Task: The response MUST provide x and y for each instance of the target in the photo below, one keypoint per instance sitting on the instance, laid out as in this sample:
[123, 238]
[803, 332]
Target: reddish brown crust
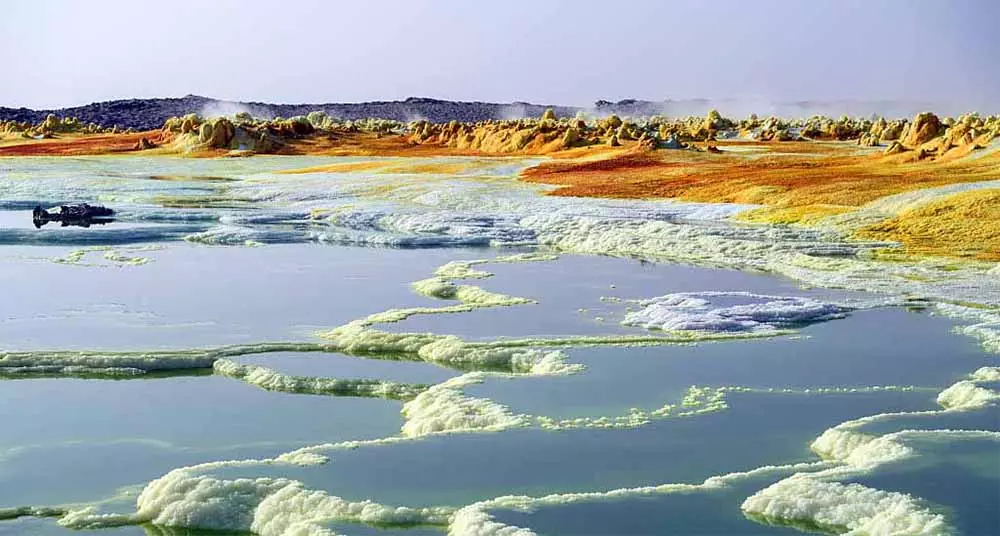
[77, 146]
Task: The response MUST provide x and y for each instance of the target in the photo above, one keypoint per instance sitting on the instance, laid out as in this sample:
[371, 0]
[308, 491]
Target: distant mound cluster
[243, 132]
[926, 135]
[50, 127]
[485, 128]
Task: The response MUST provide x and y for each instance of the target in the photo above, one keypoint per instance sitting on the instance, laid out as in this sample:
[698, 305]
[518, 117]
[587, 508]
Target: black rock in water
[82, 215]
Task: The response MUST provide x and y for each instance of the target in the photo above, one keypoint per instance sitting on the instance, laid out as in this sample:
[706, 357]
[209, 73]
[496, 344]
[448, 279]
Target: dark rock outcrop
[150, 114]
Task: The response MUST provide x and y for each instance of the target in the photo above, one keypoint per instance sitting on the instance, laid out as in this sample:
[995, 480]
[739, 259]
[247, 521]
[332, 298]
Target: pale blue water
[466, 468]
[76, 439]
[705, 513]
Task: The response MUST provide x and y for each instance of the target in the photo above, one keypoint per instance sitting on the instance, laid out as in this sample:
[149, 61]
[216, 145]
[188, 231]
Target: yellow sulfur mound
[963, 225]
[804, 214]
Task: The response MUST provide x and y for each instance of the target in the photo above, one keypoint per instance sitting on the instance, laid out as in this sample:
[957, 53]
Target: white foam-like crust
[816, 499]
[846, 444]
[440, 288]
[455, 270]
[137, 362]
[966, 395]
[30, 511]
[114, 255]
[986, 374]
[810, 256]
[355, 336]
[845, 508]
[119, 363]
[186, 498]
[265, 506]
[272, 380]
[699, 311]
[475, 519]
[986, 326]
[444, 408]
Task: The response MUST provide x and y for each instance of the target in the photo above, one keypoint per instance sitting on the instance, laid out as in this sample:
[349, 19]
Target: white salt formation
[709, 311]
[845, 508]
[817, 500]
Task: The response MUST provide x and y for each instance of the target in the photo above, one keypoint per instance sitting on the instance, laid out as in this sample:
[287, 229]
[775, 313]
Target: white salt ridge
[95, 236]
[136, 362]
[985, 326]
[272, 380]
[699, 311]
[269, 506]
[265, 506]
[808, 256]
[464, 269]
[513, 355]
[115, 363]
[355, 336]
[986, 374]
[228, 235]
[440, 288]
[816, 499]
[115, 256]
[444, 408]
[966, 395]
[846, 508]
[475, 519]
[371, 239]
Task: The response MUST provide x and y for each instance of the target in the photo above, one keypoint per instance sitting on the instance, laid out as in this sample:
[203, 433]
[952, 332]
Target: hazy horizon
[59, 54]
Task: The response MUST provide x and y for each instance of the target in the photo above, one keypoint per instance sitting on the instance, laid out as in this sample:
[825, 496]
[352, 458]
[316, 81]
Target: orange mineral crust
[78, 145]
[838, 176]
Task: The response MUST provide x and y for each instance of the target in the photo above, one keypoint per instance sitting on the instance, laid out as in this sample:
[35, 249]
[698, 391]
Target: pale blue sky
[60, 53]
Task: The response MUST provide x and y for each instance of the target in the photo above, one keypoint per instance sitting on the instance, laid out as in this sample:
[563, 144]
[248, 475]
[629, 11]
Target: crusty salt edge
[271, 380]
[985, 326]
[177, 498]
[699, 311]
[818, 500]
[696, 401]
[800, 254]
[113, 255]
[480, 417]
[464, 269]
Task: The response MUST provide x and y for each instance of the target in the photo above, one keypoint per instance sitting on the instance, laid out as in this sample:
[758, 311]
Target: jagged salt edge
[271, 380]
[305, 457]
[817, 498]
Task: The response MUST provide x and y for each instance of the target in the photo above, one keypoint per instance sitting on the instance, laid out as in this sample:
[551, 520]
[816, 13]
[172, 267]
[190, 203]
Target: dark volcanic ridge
[150, 114]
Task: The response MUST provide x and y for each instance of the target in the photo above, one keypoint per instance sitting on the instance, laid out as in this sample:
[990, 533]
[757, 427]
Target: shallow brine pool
[404, 352]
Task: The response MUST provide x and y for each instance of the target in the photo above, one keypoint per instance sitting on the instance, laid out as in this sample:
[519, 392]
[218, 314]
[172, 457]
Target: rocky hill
[148, 114]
